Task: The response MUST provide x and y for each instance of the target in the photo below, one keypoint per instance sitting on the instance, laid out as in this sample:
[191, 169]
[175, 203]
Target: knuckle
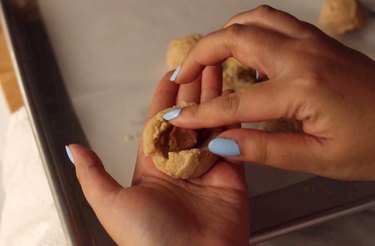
[311, 82]
[234, 31]
[231, 104]
[318, 43]
[264, 10]
[256, 149]
[310, 31]
[240, 17]
[234, 19]
[261, 154]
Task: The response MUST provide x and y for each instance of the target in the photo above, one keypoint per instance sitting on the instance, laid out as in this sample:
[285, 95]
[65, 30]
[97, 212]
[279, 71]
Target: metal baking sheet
[88, 69]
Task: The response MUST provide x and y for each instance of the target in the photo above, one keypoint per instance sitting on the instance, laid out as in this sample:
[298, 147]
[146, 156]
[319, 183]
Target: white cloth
[29, 215]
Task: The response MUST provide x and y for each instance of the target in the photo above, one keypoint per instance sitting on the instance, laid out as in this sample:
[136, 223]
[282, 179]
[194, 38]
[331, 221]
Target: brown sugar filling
[176, 139]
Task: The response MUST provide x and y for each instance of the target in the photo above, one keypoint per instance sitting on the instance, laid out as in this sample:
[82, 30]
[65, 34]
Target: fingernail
[172, 114]
[69, 154]
[175, 73]
[224, 147]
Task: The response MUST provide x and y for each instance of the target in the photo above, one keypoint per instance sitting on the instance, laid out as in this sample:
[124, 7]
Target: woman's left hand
[157, 209]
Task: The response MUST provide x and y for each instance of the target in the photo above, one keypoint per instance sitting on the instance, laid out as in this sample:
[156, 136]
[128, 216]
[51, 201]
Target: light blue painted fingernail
[69, 154]
[175, 73]
[172, 114]
[224, 147]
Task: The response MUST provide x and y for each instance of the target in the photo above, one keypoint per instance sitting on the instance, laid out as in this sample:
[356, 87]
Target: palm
[213, 207]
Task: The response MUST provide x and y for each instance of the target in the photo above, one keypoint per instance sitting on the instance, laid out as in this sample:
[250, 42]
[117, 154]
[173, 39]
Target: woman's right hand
[312, 78]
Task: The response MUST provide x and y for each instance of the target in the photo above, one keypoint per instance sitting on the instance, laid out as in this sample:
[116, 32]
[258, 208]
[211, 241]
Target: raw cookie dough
[235, 74]
[179, 48]
[177, 152]
[341, 16]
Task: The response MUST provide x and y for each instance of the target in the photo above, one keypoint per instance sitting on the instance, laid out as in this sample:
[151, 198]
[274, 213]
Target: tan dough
[177, 152]
[179, 48]
[341, 16]
[235, 75]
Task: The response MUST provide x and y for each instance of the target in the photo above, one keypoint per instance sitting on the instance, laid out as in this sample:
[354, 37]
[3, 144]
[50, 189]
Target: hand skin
[159, 210]
[312, 78]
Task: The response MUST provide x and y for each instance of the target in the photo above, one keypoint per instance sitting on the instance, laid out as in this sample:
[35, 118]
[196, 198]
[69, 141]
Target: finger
[212, 78]
[189, 92]
[97, 185]
[224, 174]
[164, 95]
[253, 46]
[296, 152]
[270, 18]
[235, 125]
[259, 102]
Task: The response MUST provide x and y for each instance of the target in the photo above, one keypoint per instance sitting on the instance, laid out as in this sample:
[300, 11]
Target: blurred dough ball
[341, 16]
[179, 48]
[282, 125]
[235, 75]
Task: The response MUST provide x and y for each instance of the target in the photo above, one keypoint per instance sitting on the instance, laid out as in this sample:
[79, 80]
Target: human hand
[330, 88]
[160, 210]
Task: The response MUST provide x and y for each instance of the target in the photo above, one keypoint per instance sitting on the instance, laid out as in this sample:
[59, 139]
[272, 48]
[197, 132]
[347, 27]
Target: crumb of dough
[179, 48]
[342, 16]
[128, 137]
[179, 153]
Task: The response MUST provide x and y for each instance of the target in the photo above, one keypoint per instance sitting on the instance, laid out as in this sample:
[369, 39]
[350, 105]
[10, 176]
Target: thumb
[295, 152]
[97, 185]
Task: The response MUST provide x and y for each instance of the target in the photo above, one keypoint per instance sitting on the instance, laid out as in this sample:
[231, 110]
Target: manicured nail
[224, 147]
[172, 114]
[69, 154]
[175, 73]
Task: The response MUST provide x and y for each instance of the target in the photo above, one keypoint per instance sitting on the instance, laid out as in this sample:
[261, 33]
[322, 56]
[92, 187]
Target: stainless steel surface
[52, 117]
[63, 97]
[313, 221]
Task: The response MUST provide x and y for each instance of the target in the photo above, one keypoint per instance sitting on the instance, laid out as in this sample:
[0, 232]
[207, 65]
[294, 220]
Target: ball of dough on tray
[179, 48]
[177, 152]
[341, 16]
[236, 75]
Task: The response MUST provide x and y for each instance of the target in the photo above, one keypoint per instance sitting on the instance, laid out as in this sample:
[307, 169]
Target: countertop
[93, 91]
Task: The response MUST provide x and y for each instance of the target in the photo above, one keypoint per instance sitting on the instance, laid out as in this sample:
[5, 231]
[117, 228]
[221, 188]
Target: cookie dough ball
[179, 48]
[282, 125]
[177, 152]
[341, 16]
[236, 75]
